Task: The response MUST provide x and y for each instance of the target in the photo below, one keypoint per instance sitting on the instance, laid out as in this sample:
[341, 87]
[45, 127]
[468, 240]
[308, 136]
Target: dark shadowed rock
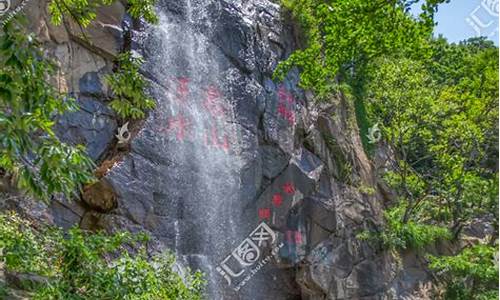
[25, 281]
[93, 125]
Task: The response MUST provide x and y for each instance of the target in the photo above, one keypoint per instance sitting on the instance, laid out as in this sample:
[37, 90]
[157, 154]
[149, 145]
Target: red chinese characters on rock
[289, 188]
[286, 104]
[277, 199]
[213, 105]
[298, 237]
[212, 102]
[180, 125]
[264, 213]
[182, 90]
[212, 139]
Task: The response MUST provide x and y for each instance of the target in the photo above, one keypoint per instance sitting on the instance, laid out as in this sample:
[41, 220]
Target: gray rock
[105, 32]
[67, 213]
[92, 125]
[274, 161]
[90, 85]
[25, 281]
[225, 149]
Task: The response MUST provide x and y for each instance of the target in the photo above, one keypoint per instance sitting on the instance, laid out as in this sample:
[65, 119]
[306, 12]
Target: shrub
[84, 265]
[401, 235]
[84, 11]
[472, 274]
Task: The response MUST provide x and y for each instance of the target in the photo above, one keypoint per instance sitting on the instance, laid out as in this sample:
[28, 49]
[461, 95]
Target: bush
[472, 274]
[83, 265]
[401, 235]
[84, 11]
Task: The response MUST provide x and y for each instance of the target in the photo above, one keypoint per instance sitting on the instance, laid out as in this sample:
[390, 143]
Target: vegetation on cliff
[436, 105]
[84, 12]
[29, 150]
[129, 87]
[30, 153]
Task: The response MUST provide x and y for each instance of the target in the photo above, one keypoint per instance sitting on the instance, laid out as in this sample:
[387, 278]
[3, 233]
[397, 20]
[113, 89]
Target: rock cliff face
[240, 176]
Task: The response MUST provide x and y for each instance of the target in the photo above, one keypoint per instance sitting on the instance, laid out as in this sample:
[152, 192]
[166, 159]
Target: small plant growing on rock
[128, 87]
[367, 190]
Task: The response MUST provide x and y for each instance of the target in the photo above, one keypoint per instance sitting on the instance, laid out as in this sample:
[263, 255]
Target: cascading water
[203, 139]
[196, 124]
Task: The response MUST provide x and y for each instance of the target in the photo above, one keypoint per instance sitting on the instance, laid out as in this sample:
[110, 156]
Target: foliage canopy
[84, 12]
[344, 35]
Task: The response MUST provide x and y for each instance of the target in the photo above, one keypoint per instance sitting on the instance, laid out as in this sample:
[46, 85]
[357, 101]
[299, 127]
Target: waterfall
[196, 127]
[210, 74]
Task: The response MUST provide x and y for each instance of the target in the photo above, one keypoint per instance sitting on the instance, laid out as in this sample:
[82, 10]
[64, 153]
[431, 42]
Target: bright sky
[462, 19]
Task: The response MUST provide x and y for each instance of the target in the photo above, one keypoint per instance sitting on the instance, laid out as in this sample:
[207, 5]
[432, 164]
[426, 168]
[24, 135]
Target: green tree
[441, 130]
[29, 149]
[342, 36]
[437, 107]
[440, 115]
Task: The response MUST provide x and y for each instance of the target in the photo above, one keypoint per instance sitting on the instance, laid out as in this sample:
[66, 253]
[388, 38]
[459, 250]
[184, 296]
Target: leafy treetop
[343, 35]
[84, 11]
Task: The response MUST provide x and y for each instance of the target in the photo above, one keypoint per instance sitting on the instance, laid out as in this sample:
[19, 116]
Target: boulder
[100, 196]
